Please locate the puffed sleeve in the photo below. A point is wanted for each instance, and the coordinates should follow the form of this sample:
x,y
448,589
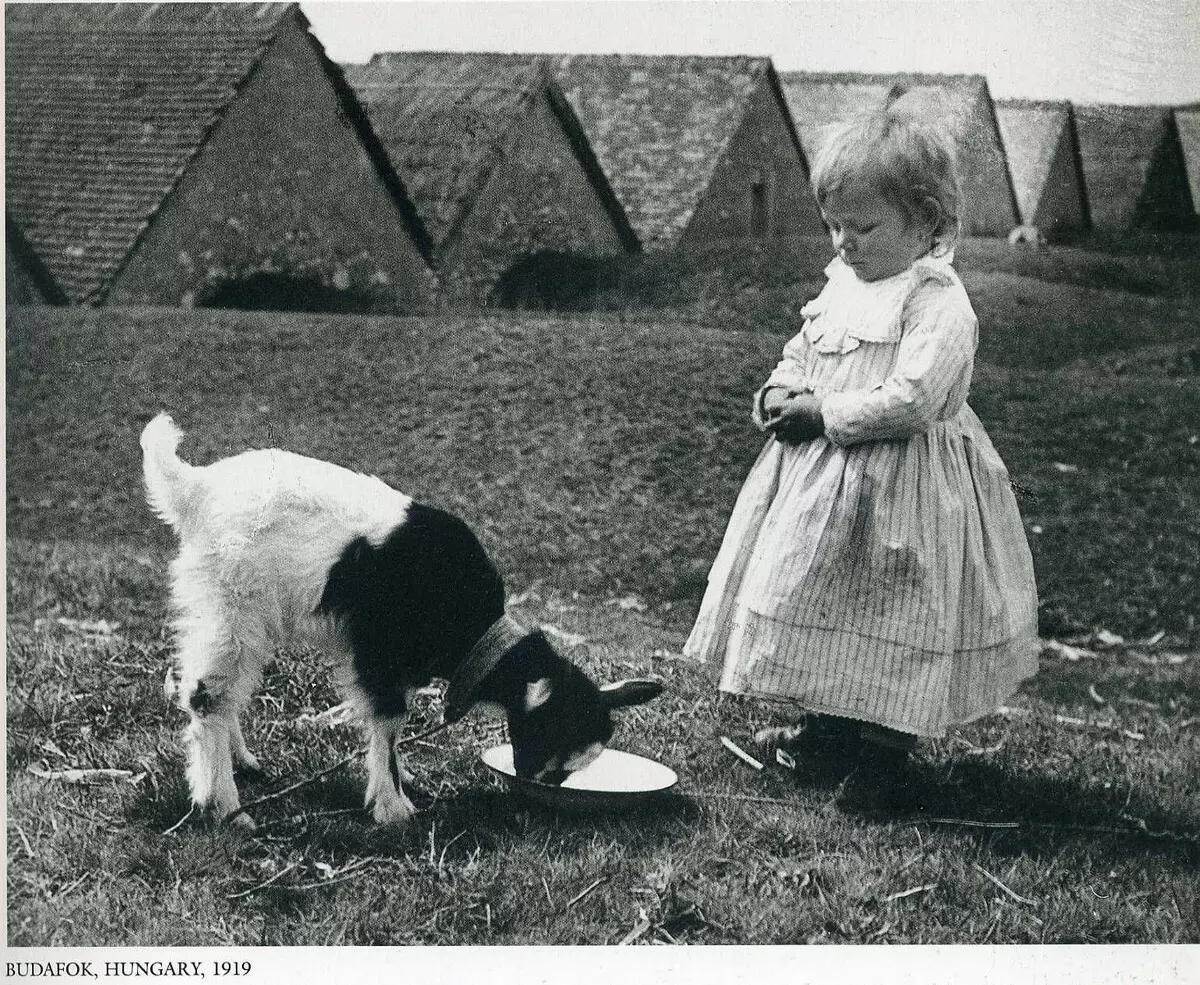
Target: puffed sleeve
x,y
789,373
930,379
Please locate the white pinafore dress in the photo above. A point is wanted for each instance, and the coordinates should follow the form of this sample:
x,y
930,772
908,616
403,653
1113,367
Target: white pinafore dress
x,y
880,572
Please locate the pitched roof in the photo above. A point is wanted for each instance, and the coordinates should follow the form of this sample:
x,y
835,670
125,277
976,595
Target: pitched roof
x,y
1187,122
1039,140
821,100
659,125
23,264
1133,167
108,104
445,120
105,106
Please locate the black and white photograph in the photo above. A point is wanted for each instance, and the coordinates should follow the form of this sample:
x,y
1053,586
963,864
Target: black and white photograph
x,y
564,476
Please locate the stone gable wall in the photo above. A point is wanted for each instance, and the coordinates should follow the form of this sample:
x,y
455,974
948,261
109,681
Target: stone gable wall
x,y
538,199
761,150
283,186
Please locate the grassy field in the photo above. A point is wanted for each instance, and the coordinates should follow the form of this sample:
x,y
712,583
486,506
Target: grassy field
x,y
757,286
598,456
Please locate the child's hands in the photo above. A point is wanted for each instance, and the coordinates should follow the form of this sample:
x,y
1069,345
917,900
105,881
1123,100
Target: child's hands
x,y
773,402
796,419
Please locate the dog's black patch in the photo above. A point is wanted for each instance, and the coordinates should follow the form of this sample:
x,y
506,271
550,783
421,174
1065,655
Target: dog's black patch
x,y
414,605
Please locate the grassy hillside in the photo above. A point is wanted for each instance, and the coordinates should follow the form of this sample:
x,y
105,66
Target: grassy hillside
x,y
602,454
760,286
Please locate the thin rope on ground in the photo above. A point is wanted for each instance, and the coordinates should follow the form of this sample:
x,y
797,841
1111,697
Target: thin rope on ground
x,y
317,777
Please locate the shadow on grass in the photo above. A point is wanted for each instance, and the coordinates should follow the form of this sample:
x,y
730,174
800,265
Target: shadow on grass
x,y
502,814
1050,812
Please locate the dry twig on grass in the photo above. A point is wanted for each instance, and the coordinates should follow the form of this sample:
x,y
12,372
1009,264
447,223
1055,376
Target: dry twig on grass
x,y
575,899
316,777
909,892
28,847
178,824
741,754
305,816
263,885
81,776
965,822
639,929
1016,896
1104,725
304,886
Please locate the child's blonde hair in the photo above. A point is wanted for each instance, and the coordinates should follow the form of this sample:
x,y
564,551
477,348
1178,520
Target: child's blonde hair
x,y
906,158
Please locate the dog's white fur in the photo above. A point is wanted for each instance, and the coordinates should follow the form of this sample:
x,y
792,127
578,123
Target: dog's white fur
x,y
258,534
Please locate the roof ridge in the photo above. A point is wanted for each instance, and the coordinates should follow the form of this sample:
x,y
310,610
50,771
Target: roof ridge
x,y
91,18
881,77
632,56
760,60
1146,108
1021,103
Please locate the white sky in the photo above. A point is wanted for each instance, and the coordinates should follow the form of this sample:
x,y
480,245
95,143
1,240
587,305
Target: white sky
x,y
1136,51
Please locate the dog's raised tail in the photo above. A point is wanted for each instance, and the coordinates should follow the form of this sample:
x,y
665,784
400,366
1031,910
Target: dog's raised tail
x,y
167,476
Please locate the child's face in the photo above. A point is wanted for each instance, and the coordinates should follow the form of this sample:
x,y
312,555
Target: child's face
x,y
873,236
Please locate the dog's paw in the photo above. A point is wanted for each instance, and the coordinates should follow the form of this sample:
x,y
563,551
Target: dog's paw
x,y
393,810
248,764
240,821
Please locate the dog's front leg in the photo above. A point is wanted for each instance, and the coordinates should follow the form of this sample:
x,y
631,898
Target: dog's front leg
x,y
210,766
388,802
243,758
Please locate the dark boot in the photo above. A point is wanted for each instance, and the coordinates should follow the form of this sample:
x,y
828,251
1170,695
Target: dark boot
x,y
884,779
821,745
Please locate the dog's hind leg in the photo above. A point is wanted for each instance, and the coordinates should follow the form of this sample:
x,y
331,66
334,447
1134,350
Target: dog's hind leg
x,y
219,665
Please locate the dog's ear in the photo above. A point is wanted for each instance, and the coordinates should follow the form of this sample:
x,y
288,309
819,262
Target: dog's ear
x,y
622,694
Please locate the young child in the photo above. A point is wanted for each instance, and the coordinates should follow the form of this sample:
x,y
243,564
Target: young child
x,y
875,570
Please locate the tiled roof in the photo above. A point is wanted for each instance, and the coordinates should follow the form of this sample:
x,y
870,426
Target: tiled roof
x,y
821,100
105,106
658,125
1132,166
443,120
1037,139
1187,121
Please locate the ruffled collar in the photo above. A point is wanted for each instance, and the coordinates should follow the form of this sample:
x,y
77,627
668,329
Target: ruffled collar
x,y
850,311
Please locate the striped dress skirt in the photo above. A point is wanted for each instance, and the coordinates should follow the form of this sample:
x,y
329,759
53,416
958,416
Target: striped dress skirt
x,y
888,581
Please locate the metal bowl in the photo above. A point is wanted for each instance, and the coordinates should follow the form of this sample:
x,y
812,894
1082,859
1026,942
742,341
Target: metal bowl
x,y
615,781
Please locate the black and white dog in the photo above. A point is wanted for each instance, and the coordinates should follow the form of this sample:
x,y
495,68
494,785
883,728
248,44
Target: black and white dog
x,y
277,548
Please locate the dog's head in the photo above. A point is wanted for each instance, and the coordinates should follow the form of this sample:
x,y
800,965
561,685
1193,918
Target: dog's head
x,y
559,721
